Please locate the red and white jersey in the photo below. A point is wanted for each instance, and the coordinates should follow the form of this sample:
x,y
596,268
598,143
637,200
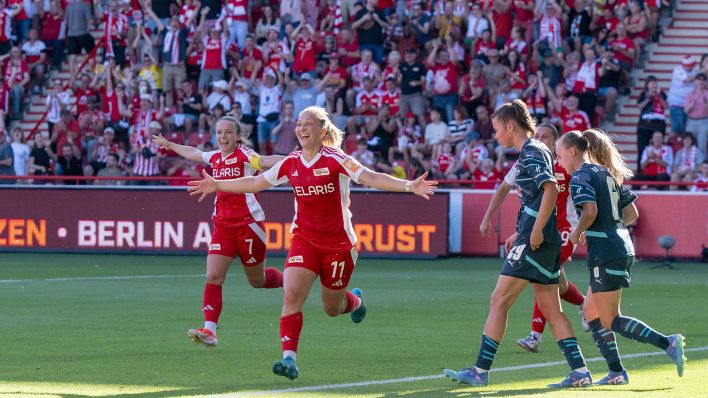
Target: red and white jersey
x,y
444,161
5,98
578,120
477,154
233,10
388,72
275,58
33,51
214,56
5,25
142,120
393,100
143,166
186,12
234,209
115,28
360,70
566,218
653,168
372,98
321,188
588,77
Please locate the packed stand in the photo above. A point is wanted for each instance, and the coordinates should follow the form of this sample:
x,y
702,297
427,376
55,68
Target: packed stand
x,y
412,83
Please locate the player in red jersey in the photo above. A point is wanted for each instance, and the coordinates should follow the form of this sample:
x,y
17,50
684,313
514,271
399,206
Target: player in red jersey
x,y
566,220
323,243
238,220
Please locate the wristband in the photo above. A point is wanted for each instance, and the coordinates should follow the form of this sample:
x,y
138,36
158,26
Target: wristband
x,y
409,186
255,162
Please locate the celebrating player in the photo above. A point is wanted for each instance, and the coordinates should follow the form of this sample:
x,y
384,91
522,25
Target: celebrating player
x,y
238,221
606,207
534,257
323,235
565,218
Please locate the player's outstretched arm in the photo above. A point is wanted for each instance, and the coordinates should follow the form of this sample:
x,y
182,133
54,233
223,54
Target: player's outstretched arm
x,y
420,186
185,151
267,162
589,213
485,227
241,185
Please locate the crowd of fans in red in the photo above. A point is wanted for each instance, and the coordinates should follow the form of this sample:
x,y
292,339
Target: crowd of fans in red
x,y
412,83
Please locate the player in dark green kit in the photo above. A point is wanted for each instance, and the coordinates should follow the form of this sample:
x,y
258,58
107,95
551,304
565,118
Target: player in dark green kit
x,y
606,207
535,256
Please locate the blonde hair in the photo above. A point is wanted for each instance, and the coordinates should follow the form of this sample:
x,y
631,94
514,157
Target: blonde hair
x,y
241,136
517,112
601,150
333,136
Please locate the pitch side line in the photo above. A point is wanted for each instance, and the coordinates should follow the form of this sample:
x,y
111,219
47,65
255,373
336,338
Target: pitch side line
x,y
421,378
99,278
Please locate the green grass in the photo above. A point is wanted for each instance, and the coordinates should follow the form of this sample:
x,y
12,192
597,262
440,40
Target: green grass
x,y
100,336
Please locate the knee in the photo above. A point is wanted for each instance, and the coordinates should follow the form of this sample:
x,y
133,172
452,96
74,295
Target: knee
x,y
332,310
256,282
500,302
215,278
607,321
292,300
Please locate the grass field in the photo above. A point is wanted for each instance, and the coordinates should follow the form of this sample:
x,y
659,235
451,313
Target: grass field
x,y
100,325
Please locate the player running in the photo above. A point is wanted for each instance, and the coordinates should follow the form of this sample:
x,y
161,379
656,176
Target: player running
x,y
238,221
565,218
323,235
606,207
534,257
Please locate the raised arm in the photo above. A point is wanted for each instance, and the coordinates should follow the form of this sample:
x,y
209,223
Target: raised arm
x,y
420,186
241,185
185,151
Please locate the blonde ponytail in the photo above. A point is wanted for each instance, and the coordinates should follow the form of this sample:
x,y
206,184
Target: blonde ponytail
x,y
602,151
333,136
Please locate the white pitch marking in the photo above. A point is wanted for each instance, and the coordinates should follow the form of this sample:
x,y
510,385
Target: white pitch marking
x,y
99,278
421,378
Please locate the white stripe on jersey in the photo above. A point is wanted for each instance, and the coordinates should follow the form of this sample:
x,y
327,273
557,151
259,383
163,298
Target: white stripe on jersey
x,y
347,162
346,213
258,230
253,206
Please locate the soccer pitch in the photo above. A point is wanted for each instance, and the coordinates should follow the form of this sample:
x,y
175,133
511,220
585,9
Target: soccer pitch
x,y
102,325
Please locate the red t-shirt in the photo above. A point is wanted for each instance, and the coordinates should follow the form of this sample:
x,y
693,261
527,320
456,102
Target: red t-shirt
x,y
214,56
372,98
503,23
347,61
249,65
444,161
490,179
82,97
338,75
577,120
304,59
119,24
51,27
521,14
321,188
624,44
444,78
110,105
233,209
22,15
392,99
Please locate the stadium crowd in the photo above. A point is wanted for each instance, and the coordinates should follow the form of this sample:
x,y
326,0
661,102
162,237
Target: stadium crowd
x,y
413,83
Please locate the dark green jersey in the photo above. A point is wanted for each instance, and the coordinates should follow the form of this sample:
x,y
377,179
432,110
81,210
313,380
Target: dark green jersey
x,y
608,238
533,169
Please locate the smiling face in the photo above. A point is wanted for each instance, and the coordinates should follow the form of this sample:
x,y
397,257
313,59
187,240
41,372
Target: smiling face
x,y
226,136
309,131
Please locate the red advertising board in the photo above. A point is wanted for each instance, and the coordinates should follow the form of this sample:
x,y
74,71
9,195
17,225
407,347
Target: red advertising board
x,y
681,215
169,221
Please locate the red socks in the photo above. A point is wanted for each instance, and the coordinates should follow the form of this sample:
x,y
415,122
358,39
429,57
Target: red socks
x,y
212,303
538,323
273,278
290,328
573,295
353,302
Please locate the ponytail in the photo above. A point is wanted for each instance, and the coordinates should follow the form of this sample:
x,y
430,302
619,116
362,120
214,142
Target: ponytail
x,y
517,112
603,151
333,137
241,135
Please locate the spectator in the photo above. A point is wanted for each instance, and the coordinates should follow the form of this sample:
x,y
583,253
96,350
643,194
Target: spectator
x,y
445,164
276,52
701,181
366,104
448,25
7,158
549,37
98,158
269,105
77,17
41,156
57,101
412,83
487,174
421,22
444,81
552,71
656,160
483,125
610,81
115,32
17,78
637,26
85,93
578,27
435,133
623,47
459,128
145,153
285,131
495,72
303,93
572,117
52,33
587,82
370,24
681,85
35,57
381,132
151,73
535,97
304,57
477,24
686,161
146,115
111,170
696,109
70,162
234,19
391,96
523,19
348,48
652,106
473,90
472,154
335,74
363,154
268,22
291,13
251,61
21,153
189,107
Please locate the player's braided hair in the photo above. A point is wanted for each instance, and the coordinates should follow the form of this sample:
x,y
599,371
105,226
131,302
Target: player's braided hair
x,y
333,136
241,134
517,112
600,149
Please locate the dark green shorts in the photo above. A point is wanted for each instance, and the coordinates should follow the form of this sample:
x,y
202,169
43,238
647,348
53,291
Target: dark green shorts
x,y
536,266
611,276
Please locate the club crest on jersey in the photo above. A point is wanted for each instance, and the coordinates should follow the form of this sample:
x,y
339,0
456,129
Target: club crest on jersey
x,y
231,161
295,259
560,177
321,172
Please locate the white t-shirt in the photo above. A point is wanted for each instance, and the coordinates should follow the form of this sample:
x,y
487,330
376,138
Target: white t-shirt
x,y
215,98
435,133
243,98
21,152
268,101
